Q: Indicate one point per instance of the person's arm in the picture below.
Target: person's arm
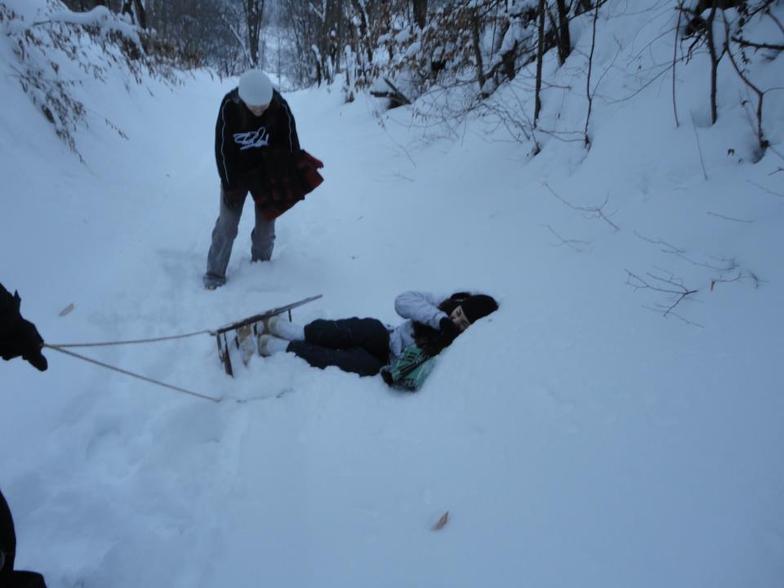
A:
(224, 147)
(17, 335)
(289, 127)
(421, 307)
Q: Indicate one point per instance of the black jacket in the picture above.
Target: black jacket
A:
(242, 138)
(18, 336)
(8, 577)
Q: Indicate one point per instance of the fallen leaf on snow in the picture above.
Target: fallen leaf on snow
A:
(441, 522)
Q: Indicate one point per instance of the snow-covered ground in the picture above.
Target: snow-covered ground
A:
(578, 437)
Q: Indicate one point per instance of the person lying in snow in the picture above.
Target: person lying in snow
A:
(365, 346)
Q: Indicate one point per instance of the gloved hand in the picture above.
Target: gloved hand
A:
(448, 331)
(31, 344)
(433, 344)
(18, 337)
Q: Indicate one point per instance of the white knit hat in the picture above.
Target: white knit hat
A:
(255, 88)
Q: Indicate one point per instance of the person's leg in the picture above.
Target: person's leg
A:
(7, 538)
(24, 580)
(8, 577)
(223, 236)
(270, 344)
(280, 326)
(355, 360)
(262, 238)
(367, 333)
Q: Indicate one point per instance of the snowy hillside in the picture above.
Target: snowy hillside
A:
(604, 428)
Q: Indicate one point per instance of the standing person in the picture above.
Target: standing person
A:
(364, 346)
(18, 337)
(254, 122)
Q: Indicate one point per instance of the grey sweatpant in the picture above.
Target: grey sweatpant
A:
(225, 231)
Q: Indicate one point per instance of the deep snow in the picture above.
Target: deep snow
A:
(577, 437)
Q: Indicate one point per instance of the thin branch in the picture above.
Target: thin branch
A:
(668, 247)
(776, 20)
(591, 211)
(730, 218)
(680, 317)
(768, 190)
(745, 43)
(729, 264)
(663, 285)
(699, 149)
(714, 61)
(237, 36)
(573, 244)
(674, 60)
(588, 77)
(715, 281)
(763, 143)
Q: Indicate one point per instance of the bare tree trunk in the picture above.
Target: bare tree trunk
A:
(364, 42)
(136, 9)
(564, 38)
(583, 6)
(141, 14)
(674, 60)
(761, 140)
(254, 16)
(714, 62)
(539, 59)
(420, 12)
(588, 92)
(480, 68)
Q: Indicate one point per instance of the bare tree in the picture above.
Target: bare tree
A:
(135, 9)
(762, 142)
(253, 11)
(715, 58)
(588, 92)
(564, 38)
(539, 60)
(674, 60)
(420, 12)
(475, 34)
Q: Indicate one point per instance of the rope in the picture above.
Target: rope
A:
(132, 374)
(212, 332)
(132, 341)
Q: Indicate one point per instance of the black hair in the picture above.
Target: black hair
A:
(427, 338)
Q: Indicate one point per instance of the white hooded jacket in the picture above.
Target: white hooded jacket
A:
(421, 307)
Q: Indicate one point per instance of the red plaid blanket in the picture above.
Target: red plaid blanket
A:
(283, 180)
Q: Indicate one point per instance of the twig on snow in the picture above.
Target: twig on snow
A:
(674, 61)
(663, 285)
(699, 149)
(667, 247)
(590, 211)
(768, 190)
(730, 218)
(573, 244)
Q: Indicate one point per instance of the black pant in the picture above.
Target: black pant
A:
(8, 577)
(7, 537)
(360, 346)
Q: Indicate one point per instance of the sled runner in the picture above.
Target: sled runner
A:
(241, 334)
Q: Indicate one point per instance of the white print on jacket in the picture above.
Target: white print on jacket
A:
(252, 139)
